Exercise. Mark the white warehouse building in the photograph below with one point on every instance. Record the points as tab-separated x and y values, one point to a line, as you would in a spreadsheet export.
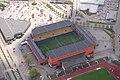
91	5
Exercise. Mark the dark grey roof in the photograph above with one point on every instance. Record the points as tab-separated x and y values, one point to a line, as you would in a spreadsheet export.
35	49
51	27
74	61
72	57
12	27
61	51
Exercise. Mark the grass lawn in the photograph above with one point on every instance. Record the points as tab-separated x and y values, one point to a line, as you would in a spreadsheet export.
101	74
58	41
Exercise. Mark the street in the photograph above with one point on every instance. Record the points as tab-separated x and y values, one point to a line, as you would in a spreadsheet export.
9	62
117	30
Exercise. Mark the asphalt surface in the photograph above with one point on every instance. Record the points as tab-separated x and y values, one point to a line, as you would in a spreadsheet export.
117	30
9	62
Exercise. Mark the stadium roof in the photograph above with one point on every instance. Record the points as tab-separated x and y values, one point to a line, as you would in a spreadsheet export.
51	27
86	43
36	50
74	60
12	27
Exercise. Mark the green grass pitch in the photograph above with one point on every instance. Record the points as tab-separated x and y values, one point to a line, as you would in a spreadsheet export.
58	41
101	74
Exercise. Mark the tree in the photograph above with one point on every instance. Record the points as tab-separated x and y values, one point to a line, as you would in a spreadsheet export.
118	57
28	60
95	24
24	56
83	23
50	18
60	14
34	3
33	72
63	15
99	26
32	15
103	25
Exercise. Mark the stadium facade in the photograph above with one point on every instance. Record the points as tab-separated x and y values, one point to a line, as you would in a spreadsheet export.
70	53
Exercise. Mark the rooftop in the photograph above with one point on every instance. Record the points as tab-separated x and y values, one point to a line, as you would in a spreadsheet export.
97	2
74	60
35	49
51	27
10	27
92	5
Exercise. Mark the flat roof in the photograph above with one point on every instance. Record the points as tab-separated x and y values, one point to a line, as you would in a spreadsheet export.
72	58
51	27
111	15
92	5
86	43
92	8
10	27
36	50
97	2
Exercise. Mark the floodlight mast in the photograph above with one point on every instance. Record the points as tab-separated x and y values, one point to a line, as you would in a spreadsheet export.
74	9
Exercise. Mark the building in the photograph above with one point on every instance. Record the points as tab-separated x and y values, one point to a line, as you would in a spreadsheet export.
63	54
111	15
12	29
91	5
2	1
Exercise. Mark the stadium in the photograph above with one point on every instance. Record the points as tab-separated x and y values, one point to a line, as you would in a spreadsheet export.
61	43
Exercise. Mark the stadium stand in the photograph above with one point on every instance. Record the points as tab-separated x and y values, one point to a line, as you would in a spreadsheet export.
77	67
69	41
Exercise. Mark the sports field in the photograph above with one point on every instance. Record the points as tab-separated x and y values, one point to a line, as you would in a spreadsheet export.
101	74
58	41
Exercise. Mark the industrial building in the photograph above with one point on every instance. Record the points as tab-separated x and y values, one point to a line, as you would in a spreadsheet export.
111	15
91	5
12	29
64	53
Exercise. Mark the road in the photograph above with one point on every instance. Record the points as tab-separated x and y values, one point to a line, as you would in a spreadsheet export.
18	56
9	62
117	30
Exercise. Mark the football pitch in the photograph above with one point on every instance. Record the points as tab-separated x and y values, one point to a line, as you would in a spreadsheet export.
58	41
101	74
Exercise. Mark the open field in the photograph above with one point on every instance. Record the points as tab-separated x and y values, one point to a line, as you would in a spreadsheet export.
101	74
58	41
